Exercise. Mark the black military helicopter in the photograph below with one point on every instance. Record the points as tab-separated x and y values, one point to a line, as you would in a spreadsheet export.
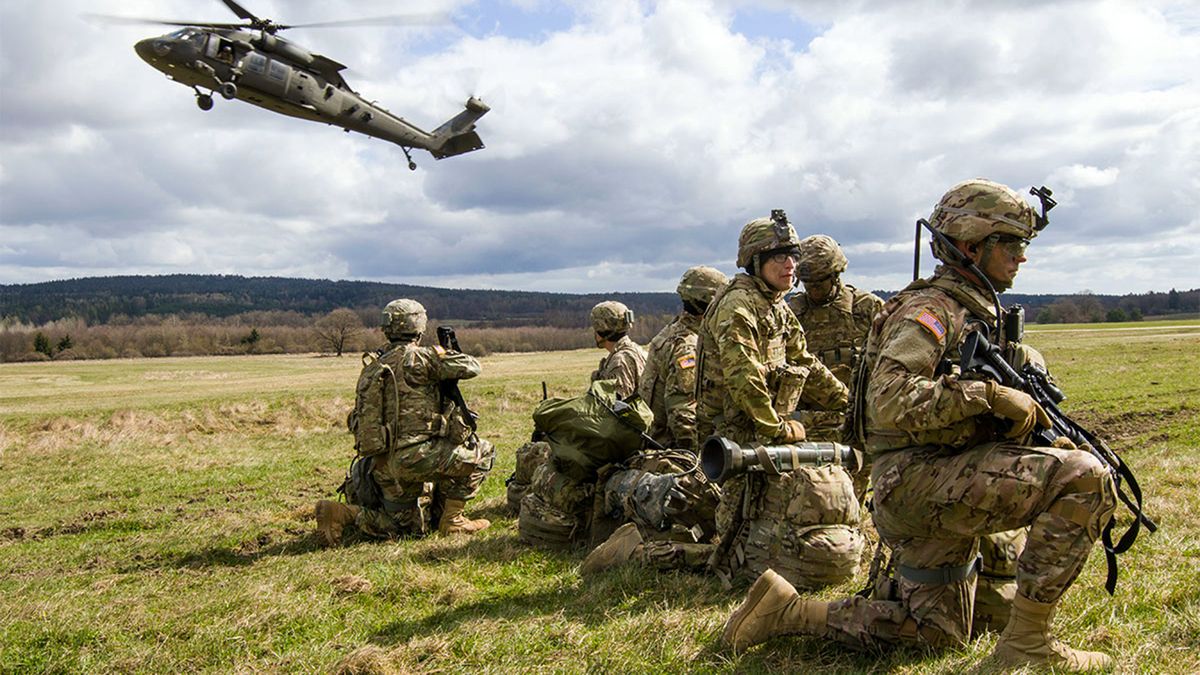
247	61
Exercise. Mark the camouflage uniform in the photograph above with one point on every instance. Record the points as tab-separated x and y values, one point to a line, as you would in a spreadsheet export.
669	382
433	441
754	369
754	366
949	466
624	364
943	477
836	331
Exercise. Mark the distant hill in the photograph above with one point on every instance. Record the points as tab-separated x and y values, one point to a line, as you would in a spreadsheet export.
97	300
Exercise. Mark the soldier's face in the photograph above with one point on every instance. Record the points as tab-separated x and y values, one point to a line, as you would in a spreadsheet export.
819	289
779	271
1000	264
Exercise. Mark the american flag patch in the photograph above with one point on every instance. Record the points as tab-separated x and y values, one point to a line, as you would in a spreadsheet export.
687	362
933	324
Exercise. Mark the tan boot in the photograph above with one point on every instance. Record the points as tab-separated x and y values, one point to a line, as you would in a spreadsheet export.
453	521
773	607
332	518
1027	640
620	547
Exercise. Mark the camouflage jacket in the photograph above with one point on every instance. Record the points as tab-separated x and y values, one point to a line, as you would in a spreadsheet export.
625	365
910	400
753	365
669	382
836	330
420	411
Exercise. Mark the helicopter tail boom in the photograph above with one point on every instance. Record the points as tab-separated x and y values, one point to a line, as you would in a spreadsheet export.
457	136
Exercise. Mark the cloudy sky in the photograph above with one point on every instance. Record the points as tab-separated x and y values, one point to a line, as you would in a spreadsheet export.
628	140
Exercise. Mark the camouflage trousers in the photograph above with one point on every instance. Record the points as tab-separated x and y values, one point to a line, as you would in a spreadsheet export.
456	471
931	508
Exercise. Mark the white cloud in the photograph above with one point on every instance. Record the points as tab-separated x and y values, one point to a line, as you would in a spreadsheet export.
628	145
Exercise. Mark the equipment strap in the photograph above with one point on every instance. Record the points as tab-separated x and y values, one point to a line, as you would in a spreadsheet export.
939	576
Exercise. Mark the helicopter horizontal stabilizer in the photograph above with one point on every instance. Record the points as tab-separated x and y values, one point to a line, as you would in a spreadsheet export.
458	136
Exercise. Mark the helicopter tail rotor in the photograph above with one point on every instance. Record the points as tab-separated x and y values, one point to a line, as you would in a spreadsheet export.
457	135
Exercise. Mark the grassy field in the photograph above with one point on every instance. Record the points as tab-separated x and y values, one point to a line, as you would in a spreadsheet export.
155	517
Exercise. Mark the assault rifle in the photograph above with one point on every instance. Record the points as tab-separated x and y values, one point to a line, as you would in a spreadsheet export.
980	357
449	388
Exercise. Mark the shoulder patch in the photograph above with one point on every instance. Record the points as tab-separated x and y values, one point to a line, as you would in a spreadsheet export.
441	351
688	361
932	324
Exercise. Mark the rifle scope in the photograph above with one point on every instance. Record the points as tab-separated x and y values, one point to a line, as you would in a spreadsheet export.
722	458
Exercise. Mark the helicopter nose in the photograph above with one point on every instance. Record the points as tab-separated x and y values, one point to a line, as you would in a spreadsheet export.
151	49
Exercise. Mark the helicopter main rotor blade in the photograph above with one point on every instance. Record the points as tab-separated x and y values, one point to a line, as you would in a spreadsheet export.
133	20
431	19
242	12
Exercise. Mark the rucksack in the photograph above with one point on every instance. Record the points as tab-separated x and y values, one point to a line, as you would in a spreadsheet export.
590	431
368	421
360	488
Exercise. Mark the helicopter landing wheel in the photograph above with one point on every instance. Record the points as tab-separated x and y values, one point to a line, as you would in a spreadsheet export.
228	90
204	101
412	166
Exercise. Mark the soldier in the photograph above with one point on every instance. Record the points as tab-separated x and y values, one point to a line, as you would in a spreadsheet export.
754	366
428	437
836	317
669	381
626	359
754	369
949	466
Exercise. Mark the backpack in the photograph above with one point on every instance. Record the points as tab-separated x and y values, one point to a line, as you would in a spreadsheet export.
360	488
373	432
590	431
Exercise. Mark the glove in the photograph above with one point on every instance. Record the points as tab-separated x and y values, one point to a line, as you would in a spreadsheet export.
792	432
1016	405
1064	443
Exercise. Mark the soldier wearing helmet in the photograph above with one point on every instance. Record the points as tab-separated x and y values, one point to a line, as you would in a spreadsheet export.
950	465
407	434
754	368
669	381
754	365
626	359
836	317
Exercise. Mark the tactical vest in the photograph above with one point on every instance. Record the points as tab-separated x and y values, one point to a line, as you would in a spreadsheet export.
836	337
716	412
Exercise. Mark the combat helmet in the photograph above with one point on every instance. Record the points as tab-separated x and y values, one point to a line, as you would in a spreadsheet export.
697	286
820	258
976	209
764	234
611	319
403	319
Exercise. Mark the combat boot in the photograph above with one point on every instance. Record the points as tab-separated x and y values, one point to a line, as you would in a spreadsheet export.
332	518
1027	640
620	547
453	521
773	607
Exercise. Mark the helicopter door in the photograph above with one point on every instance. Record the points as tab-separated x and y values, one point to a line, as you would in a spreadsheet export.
220	49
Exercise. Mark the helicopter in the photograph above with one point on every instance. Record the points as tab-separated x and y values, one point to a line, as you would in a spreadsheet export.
249	62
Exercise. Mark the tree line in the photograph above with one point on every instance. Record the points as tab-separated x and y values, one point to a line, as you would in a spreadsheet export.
193	315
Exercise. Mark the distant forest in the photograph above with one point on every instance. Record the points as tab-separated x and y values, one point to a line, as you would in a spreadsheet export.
187	314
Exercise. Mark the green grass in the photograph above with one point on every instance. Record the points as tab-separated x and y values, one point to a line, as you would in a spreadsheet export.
154	517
